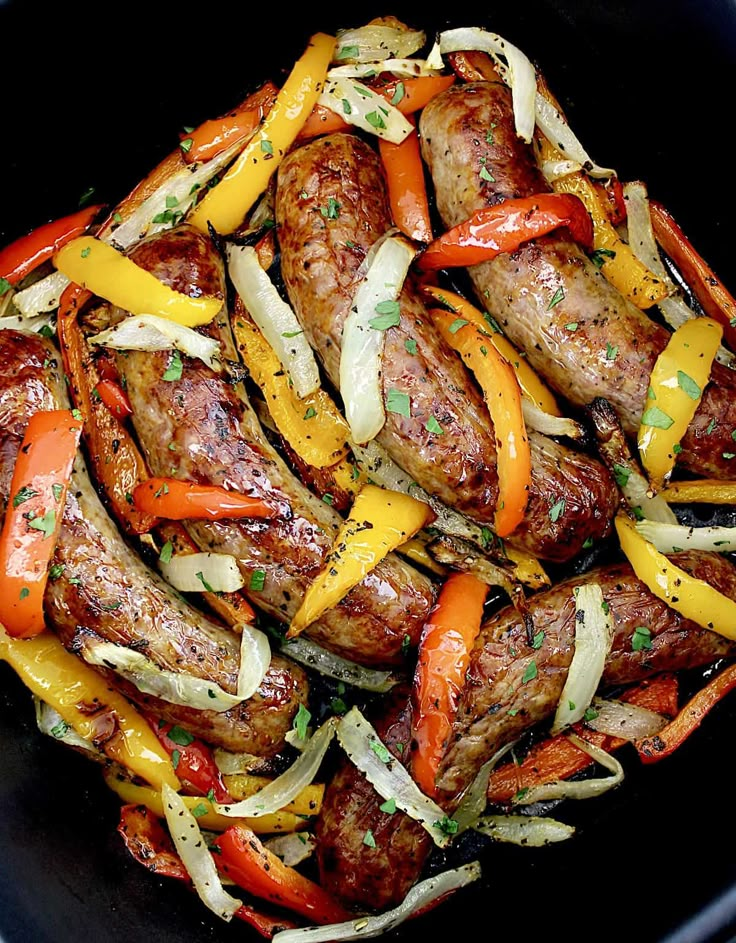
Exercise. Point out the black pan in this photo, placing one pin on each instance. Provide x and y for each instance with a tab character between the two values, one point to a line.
94	98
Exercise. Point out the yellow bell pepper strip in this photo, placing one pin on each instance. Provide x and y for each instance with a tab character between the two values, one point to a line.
378	523
691	597
33	518
224	206
108	273
416	551
308	802
702	490
527	569
313	426
678	379
531	386
497	379
201	806
87	702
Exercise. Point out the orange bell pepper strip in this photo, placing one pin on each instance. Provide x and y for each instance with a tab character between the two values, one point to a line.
25	254
710	291
243	858
443	658
557	758
117	464
407	191
115	398
689	719
416	93
183	500
504	227
216	135
33	518
497	379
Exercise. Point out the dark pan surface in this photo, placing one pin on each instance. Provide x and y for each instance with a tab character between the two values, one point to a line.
95	97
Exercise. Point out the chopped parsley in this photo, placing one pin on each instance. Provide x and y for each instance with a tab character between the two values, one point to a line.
199	810
267	148
23	495
641	640
180	736
257	580
369	840
388	315
332	210
688	385
447	825
375	120
56	570
166	552
4	286
431	425
571	326
348	52
310	413
398	94
45	524
611	351
398	402
457	324
60	730
203	581
411	346
590	714
389	806
557	510
301	722
175	368
622	474
538	639
380	750
599	257
656	417
558	296
186	145
85	252
530	673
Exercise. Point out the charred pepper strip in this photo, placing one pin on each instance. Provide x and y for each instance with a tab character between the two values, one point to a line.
183	500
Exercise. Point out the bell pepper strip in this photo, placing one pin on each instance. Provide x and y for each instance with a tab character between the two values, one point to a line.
557	758
611	197
717	302
25	254
492	230
702	490
333	484
114	398
183	500
87	702
99	267
497	379
416	551
474	66
307	802
680	374
416	93
195	764
689	718
218	134
531	386
443	658
201	806
151	846
243	858
527	569
313	426
693	598
225	206
407	190
117	464
379	522
33	518
233	608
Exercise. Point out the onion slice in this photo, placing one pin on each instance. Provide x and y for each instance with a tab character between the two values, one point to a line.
42	296
637	491
362	344
532	831
419	898
280	791
377	42
672	538
52	724
581	788
148	332
309	653
404	68
558	132
623	720
388	777
547	424
276	320
593	639
364	108
203	572
292	848
196	856
475	798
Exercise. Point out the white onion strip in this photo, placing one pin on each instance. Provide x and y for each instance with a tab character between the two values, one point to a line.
558	132
671	538
377	42
275	319
557	169
280	791
637	491
475	798
593	639
365	928
203	572
625	721
531	831
547	424
149	332
404	68
52	724
361	357
364	108
309	653
390	779
292	848
196	857
580	788
42	296
32	325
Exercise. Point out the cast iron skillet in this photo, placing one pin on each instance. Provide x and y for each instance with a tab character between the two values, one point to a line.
95	98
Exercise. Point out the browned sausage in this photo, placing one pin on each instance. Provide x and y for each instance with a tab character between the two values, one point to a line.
320	261
105	590
201	428
612	350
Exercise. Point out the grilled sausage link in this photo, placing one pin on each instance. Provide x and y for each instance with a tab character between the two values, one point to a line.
105	590
201	428
321	257
613	348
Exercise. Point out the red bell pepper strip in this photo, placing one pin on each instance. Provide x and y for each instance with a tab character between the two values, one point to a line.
718	303
195	764
117	464
115	398
611	196
149	844
505	226
689	719
443	658
25	254
557	758
474	66
33	518
181	500
216	135
243	858
407	191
